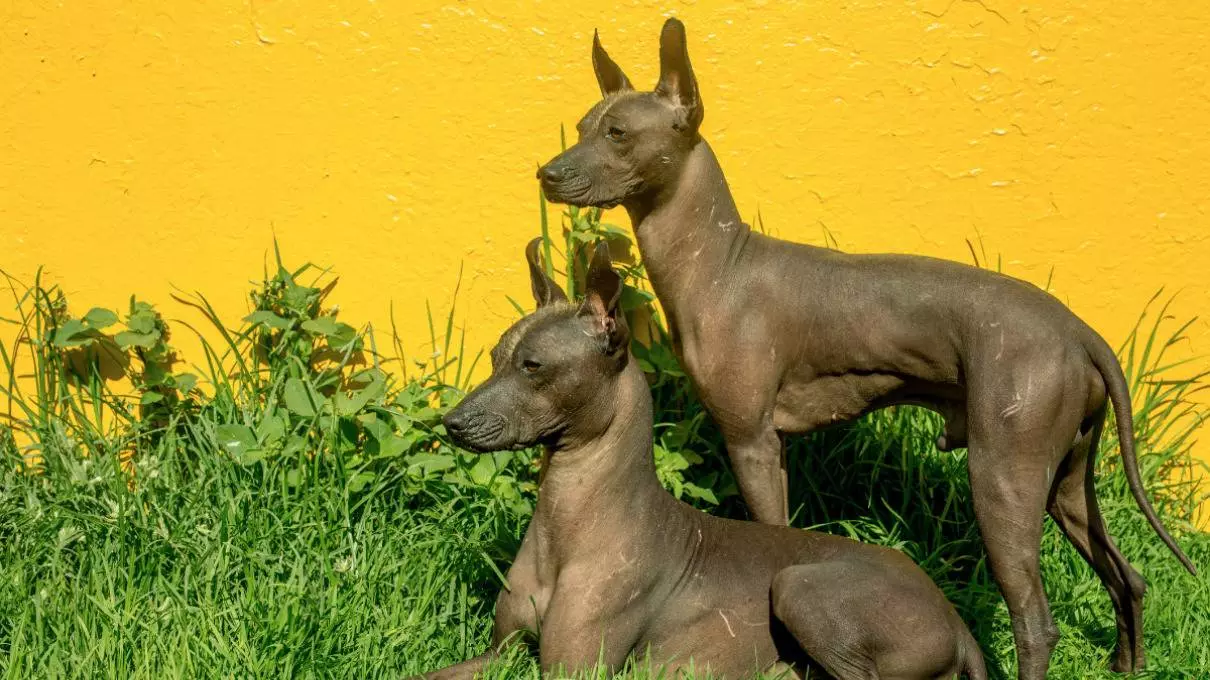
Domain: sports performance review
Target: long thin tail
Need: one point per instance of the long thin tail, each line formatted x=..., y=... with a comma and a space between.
x=1119, y=395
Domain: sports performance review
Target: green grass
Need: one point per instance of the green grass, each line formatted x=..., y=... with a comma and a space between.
x=293, y=509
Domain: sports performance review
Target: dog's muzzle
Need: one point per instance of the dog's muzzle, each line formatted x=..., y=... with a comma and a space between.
x=561, y=183
x=480, y=431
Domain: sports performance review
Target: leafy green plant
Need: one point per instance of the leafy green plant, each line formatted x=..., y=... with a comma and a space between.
x=293, y=506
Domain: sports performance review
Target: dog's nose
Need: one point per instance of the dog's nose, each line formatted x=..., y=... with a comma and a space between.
x=550, y=173
x=455, y=421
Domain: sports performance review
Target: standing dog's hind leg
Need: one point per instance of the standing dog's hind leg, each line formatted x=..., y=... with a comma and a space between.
x=1021, y=425
x=1010, y=508
x=1075, y=509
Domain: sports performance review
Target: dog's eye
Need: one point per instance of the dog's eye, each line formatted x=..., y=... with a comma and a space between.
x=615, y=134
x=530, y=366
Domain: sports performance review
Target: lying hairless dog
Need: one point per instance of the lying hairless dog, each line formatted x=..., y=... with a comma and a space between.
x=781, y=337
x=613, y=566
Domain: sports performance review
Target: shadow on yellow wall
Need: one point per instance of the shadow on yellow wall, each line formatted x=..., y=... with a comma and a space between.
x=159, y=146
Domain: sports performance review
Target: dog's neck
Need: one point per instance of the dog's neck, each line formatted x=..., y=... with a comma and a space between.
x=606, y=484
x=689, y=230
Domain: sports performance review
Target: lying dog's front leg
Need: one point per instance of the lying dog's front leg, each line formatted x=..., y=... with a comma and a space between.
x=592, y=621
x=468, y=670
x=519, y=609
x=462, y=671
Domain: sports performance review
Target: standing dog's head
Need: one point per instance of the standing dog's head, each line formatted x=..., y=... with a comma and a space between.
x=554, y=372
x=630, y=143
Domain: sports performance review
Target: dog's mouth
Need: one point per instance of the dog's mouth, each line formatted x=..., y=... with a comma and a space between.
x=578, y=191
x=572, y=191
x=582, y=199
x=485, y=433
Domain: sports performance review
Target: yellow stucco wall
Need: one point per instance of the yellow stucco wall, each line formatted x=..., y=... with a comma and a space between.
x=163, y=144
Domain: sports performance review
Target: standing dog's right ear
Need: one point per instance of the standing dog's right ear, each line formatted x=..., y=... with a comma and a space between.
x=609, y=75
x=545, y=290
x=677, y=82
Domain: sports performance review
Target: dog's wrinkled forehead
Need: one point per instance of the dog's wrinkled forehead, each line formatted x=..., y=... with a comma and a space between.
x=540, y=320
x=631, y=105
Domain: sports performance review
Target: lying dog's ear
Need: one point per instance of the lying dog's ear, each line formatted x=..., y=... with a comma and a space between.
x=545, y=290
x=609, y=75
x=602, y=296
x=677, y=82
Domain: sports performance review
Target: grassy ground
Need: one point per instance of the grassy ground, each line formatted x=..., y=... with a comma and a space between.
x=303, y=515
x=209, y=569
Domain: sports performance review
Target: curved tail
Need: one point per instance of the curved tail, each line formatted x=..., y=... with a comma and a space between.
x=1119, y=395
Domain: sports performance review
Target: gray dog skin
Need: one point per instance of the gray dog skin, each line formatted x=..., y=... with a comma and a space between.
x=613, y=566
x=781, y=337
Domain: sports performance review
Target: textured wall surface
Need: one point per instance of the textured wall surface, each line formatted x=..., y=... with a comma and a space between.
x=161, y=145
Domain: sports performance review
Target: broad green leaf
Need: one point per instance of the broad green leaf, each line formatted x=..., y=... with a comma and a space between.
x=73, y=333
x=676, y=436
x=128, y=339
x=321, y=325
x=613, y=230
x=99, y=317
x=701, y=493
x=151, y=398
x=377, y=429
x=234, y=439
x=347, y=405
x=403, y=423
x=301, y=399
x=266, y=318
x=392, y=447
x=294, y=445
x=271, y=430
x=359, y=481
x=185, y=382
x=430, y=462
x=483, y=470
x=142, y=321
x=300, y=298
x=250, y=456
x=344, y=336
x=155, y=374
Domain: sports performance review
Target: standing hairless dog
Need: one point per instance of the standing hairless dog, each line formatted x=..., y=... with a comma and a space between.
x=781, y=337
x=613, y=566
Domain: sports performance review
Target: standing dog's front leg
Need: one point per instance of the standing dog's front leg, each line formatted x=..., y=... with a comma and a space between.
x=741, y=396
x=758, y=459
x=739, y=389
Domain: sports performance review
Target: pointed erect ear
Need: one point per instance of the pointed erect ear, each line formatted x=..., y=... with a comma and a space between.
x=546, y=291
x=677, y=82
x=601, y=302
x=609, y=76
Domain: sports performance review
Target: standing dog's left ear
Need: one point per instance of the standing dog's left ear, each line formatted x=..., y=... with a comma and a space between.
x=601, y=302
x=545, y=290
x=609, y=74
x=677, y=82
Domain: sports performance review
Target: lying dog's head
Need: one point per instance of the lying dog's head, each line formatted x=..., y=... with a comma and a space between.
x=554, y=371
x=631, y=143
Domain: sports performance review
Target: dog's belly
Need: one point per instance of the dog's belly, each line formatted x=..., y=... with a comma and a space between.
x=803, y=406
x=807, y=405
